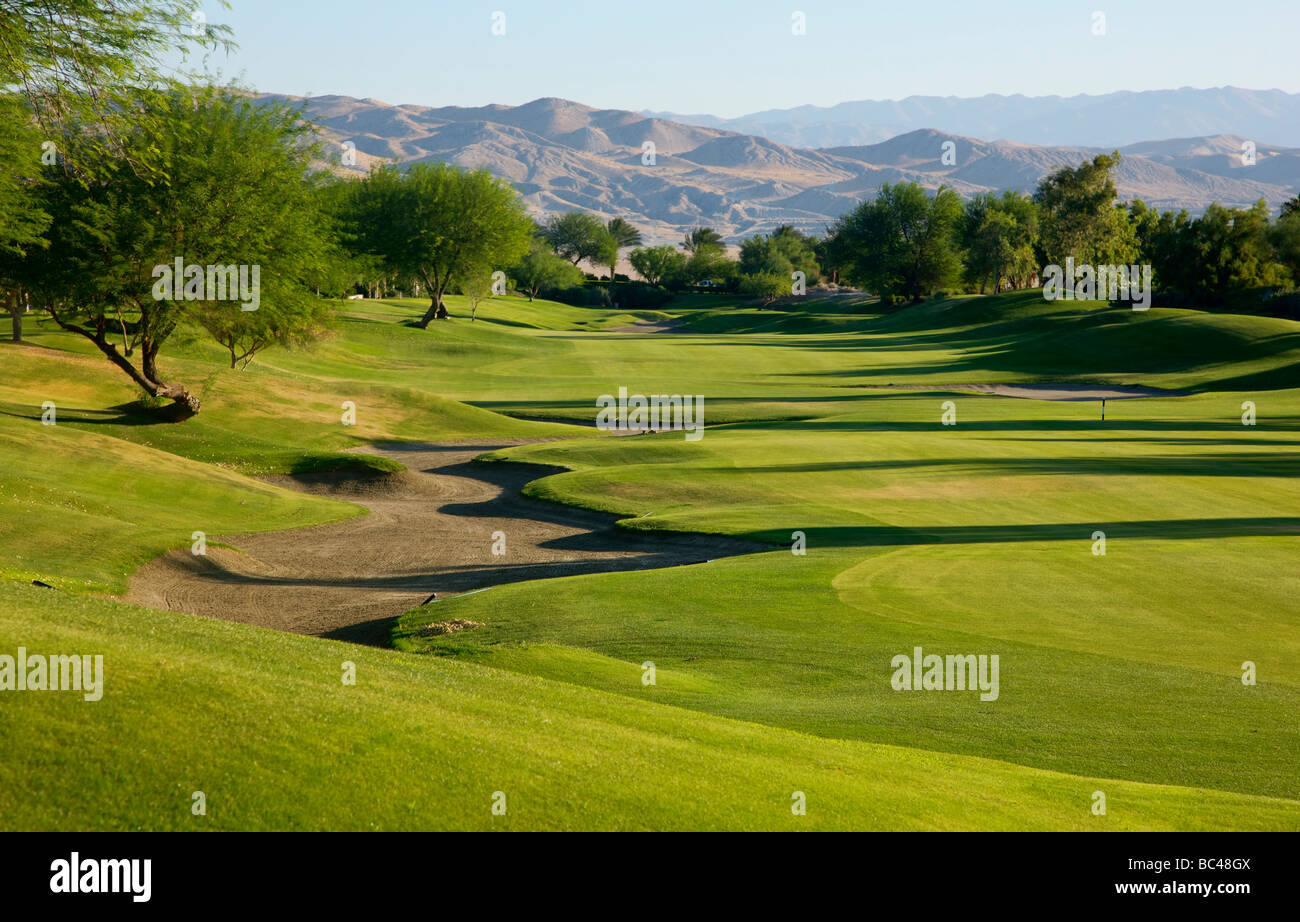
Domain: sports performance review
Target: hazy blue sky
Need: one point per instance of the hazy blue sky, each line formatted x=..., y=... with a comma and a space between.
x=729, y=58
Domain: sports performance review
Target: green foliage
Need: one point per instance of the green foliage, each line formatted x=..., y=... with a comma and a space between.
x=345, y=269
x=903, y=242
x=621, y=234
x=761, y=256
x=1284, y=236
x=237, y=194
x=1222, y=251
x=22, y=221
x=439, y=224
x=624, y=234
x=833, y=255
x=654, y=264
x=1078, y=216
x=703, y=239
x=1226, y=256
x=641, y=295
x=475, y=287
x=782, y=253
x=83, y=67
x=765, y=286
x=999, y=234
x=540, y=269
x=704, y=265
x=579, y=236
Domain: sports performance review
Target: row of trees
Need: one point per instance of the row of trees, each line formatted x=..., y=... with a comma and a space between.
x=436, y=228
x=908, y=242
x=1221, y=255
x=764, y=268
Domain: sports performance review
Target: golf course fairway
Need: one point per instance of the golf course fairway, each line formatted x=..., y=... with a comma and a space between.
x=861, y=492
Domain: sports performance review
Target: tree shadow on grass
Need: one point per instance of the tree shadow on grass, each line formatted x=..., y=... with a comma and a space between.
x=1235, y=464
x=1081, y=424
x=1156, y=529
x=1221, y=441
x=124, y=414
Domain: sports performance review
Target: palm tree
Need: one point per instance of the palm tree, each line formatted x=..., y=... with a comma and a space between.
x=702, y=239
x=624, y=234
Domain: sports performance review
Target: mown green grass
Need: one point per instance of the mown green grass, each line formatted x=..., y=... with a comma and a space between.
x=85, y=501
x=801, y=361
x=263, y=419
x=81, y=510
x=976, y=538
x=757, y=640
x=262, y=724
x=968, y=539
x=1019, y=336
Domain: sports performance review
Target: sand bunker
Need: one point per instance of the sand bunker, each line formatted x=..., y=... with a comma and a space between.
x=430, y=531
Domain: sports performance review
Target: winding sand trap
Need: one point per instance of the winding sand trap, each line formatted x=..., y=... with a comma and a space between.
x=429, y=531
x=1040, y=391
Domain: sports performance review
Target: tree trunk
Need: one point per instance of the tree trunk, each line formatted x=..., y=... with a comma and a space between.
x=184, y=404
x=437, y=311
x=16, y=315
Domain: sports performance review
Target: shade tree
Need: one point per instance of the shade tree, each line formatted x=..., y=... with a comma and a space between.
x=654, y=264
x=540, y=269
x=439, y=224
x=223, y=245
x=578, y=236
x=1079, y=216
x=902, y=243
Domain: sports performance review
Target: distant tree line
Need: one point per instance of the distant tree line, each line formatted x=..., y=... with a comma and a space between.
x=764, y=268
x=908, y=243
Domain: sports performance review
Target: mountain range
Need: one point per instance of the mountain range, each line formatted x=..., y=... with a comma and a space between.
x=564, y=156
x=1107, y=120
